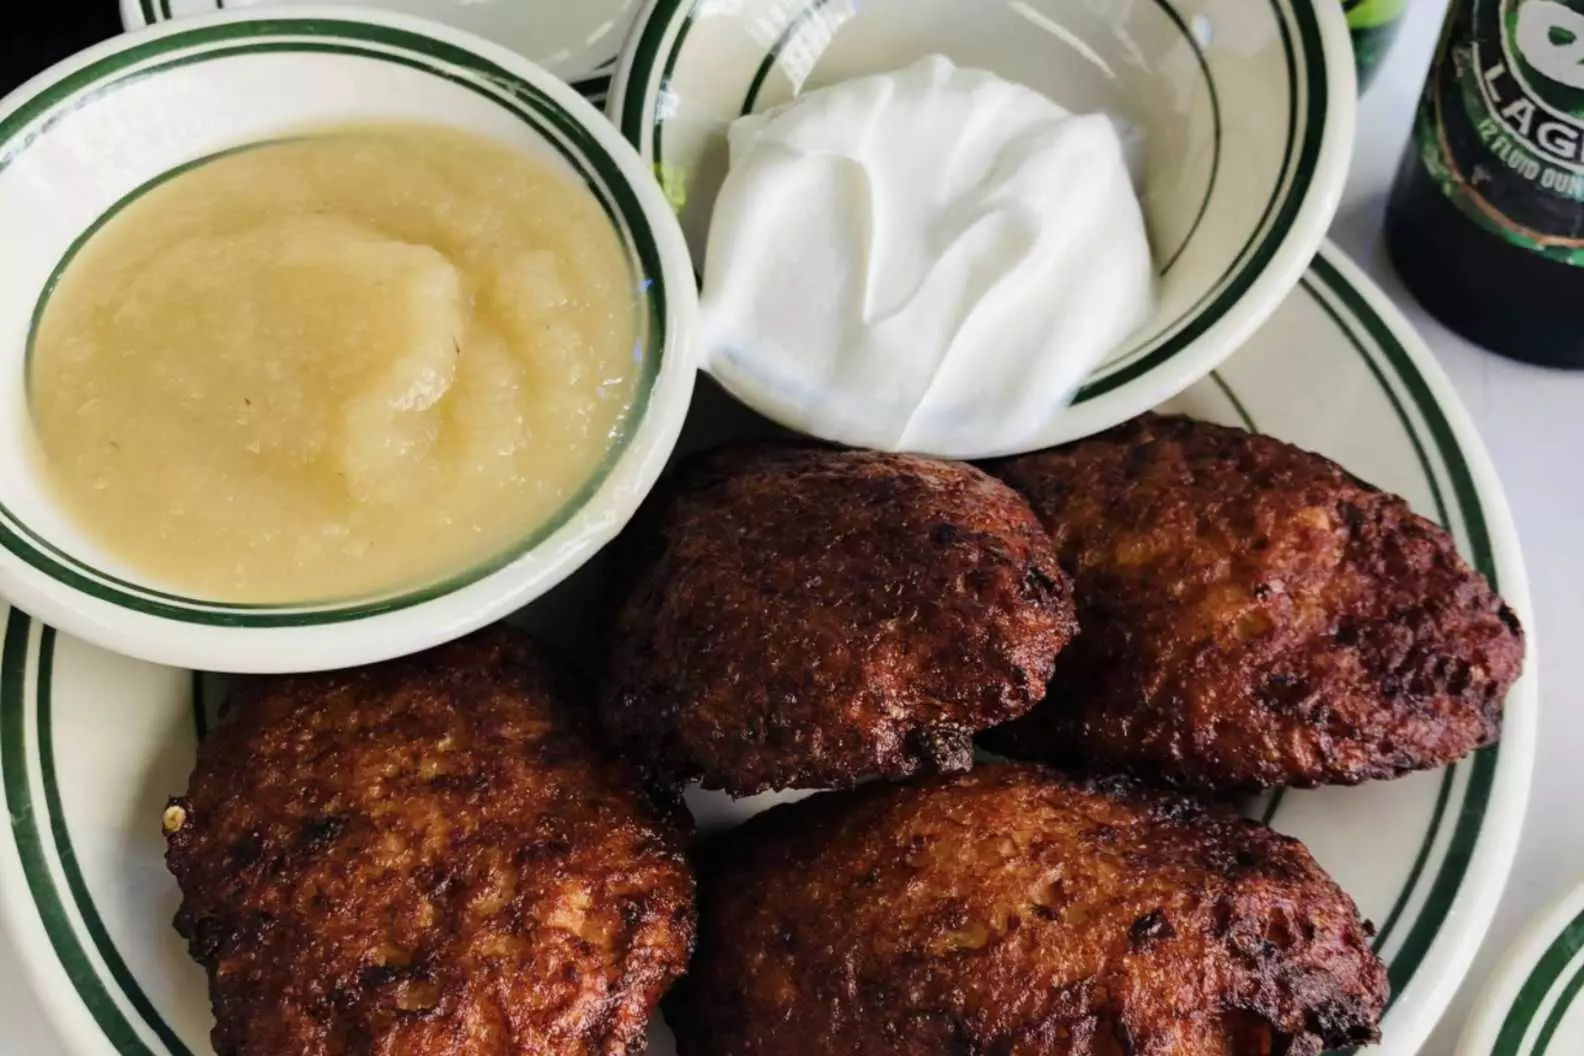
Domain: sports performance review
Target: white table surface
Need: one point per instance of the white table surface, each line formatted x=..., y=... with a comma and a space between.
x=1532, y=421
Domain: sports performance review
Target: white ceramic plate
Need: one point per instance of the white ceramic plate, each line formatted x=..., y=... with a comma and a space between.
x=1531, y=1006
x=577, y=40
x=1239, y=117
x=91, y=744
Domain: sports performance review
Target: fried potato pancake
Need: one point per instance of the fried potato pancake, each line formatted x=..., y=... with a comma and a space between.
x=426, y=858
x=807, y=617
x=1254, y=616
x=1012, y=910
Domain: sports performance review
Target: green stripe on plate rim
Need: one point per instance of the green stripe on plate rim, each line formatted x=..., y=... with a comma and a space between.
x=524, y=101
x=66, y=856
x=1532, y=995
x=163, y=14
x=27, y=834
x=1276, y=221
x=1564, y=1002
x=1322, y=282
x=153, y=17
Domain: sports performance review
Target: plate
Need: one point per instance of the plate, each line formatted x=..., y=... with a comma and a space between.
x=577, y=41
x=91, y=744
x=1531, y=1006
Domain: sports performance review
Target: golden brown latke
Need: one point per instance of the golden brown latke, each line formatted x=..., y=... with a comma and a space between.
x=1016, y=911
x=425, y=858
x=809, y=617
x=1254, y=616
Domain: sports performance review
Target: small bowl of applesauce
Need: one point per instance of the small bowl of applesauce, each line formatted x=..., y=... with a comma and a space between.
x=329, y=335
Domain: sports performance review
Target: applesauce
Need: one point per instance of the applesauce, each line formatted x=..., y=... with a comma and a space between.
x=336, y=366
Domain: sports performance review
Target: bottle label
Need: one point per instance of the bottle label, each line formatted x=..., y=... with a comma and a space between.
x=1501, y=125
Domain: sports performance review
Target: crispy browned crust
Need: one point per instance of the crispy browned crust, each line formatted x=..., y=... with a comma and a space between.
x=425, y=858
x=810, y=617
x=1015, y=911
x=1254, y=616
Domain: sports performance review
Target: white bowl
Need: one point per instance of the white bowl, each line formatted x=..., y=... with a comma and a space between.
x=1246, y=109
x=87, y=133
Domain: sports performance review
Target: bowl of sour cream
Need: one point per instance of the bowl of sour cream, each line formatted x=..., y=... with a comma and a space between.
x=972, y=229
x=331, y=335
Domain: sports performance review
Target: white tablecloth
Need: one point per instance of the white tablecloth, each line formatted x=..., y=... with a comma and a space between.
x=1533, y=422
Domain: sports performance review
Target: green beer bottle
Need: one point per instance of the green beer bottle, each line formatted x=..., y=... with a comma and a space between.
x=1486, y=219
x=1374, y=25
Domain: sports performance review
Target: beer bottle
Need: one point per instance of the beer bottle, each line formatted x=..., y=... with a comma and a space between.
x=1486, y=219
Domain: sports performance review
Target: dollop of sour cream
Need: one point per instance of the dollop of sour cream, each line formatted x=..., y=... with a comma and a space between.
x=930, y=260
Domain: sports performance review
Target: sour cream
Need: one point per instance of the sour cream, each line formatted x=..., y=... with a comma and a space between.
x=930, y=260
